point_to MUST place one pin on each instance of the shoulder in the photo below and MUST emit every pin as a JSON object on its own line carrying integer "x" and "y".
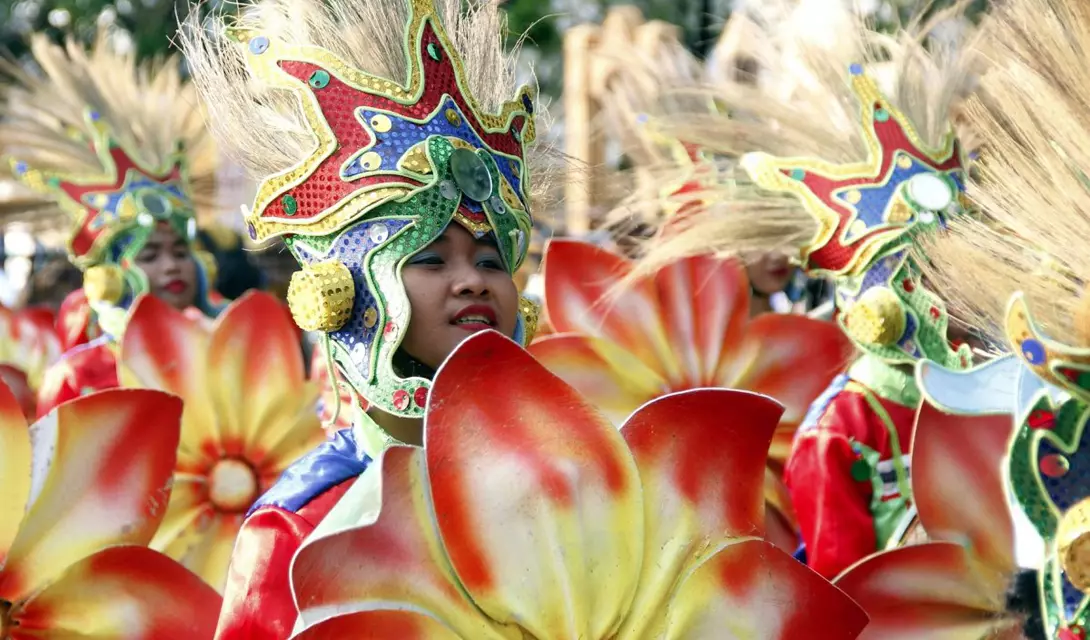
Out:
{"x": 828, "y": 398}
{"x": 330, "y": 464}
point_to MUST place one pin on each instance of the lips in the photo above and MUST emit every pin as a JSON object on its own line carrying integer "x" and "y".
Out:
{"x": 175, "y": 286}
{"x": 475, "y": 317}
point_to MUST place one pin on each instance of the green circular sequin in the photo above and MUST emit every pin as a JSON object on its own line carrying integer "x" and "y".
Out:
{"x": 471, "y": 174}
{"x": 290, "y": 205}
{"x": 433, "y": 52}
{"x": 861, "y": 471}
{"x": 881, "y": 115}
{"x": 319, "y": 79}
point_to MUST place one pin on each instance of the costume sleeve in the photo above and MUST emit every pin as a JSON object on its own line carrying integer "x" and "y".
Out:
{"x": 832, "y": 507}
{"x": 257, "y": 599}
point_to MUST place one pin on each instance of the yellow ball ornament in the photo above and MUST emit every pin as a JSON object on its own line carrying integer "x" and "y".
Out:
{"x": 877, "y": 318}
{"x": 321, "y": 295}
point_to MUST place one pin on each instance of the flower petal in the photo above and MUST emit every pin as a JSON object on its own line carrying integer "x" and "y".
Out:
{"x": 15, "y": 465}
{"x": 750, "y": 589}
{"x": 257, "y": 380}
{"x": 123, "y": 592}
{"x": 102, "y": 471}
{"x": 705, "y": 308}
{"x": 163, "y": 349}
{"x": 701, "y": 457}
{"x": 536, "y": 496}
{"x": 957, "y": 456}
{"x": 395, "y": 563}
{"x": 187, "y": 515}
{"x": 379, "y": 625}
{"x": 934, "y": 590}
{"x": 209, "y": 554}
{"x": 791, "y": 358}
{"x": 605, "y": 374}
{"x": 580, "y": 297}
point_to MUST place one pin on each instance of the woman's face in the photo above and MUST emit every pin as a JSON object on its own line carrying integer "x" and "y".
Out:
{"x": 168, "y": 263}
{"x": 769, "y": 273}
{"x": 457, "y": 286}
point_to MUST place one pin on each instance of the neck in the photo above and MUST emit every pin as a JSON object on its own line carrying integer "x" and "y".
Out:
{"x": 759, "y": 303}
{"x": 893, "y": 382}
{"x": 405, "y": 430}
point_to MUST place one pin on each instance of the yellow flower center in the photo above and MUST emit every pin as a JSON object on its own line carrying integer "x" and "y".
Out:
{"x": 232, "y": 485}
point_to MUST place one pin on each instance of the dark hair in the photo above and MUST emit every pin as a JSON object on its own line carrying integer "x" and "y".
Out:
{"x": 1023, "y": 598}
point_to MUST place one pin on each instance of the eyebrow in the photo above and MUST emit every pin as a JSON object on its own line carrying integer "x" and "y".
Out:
{"x": 488, "y": 240}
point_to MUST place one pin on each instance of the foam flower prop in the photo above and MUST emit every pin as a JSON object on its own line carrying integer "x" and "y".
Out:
{"x": 528, "y": 514}
{"x": 684, "y": 327}
{"x": 28, "y": 346}
{"x": 953, "y": 588}
{"x": 81, "y": 494}
{"x": 249, "y": 413}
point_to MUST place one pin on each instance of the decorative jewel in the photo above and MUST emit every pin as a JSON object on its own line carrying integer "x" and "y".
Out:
{"x": 289, "y": 204}
{"x": 420, "y": 397}
{"x": 908, "y": 285}
{"x": 861, "y": 471}
{"x": 470, "y": 174}
{"x": 155, "y": 204}
{"x": 453, "y": 118}
{"x": 528, "y": 104}
{"x": 259, "y": 45}
{"x": 930, "y": 192}
{"x": 401, "y": 399}
{"x": 881, "y": 115}
{"x": 448, "y": 190}
{"x": 370, "y": 317}
{"x": 1041, "y": 419}
{"x": 927, "y": 217}
{"x": 1055, "y": 465}
{"x": 1073, "y": 545}
{"x": 251, "y": 231}
{"x": 320, "y": 296}
{"x": 497, "y": 205}
{"x": 359, "y": 353}
{"x": 370, "y": 161}
{"x": 319, "y": 79}
{"x": 389, "y": 330}
{"x": 853, "y": 196}
{"x": 1033, "y": 351}
{"x": 1074, "y": 632}
{"x": 433, "y": 52}
{"x": 935, "y": 313}
{"x": 378, "y": 233}
{"x": 381, "y": 123}
{"x": 904, "y": 162}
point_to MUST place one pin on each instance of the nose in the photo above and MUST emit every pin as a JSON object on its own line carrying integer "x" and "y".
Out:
{"x": 469, "y": 281}
{"x": 172, "y": 264}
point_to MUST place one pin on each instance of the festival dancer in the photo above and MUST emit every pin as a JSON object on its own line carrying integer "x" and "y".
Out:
{"x": 850, "y": 193}
{"x": 370, "y": 142}
{"x": 1020, "y": 270}
{"x": 122, "y": 149}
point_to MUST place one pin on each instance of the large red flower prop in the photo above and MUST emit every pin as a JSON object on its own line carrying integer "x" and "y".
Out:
{"x": 528, "y": 514}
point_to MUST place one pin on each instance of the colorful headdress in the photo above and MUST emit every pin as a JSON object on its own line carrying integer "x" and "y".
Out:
{"x": 1021, "y": 272}
{"x": 851, "y": 188}
{"x": 385, "y": 161}
{"x": 119, "y": 147}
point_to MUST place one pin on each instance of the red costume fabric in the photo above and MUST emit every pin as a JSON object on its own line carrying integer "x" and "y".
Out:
{"x": 833, "y": 505}
{"x": 85, "y": 369}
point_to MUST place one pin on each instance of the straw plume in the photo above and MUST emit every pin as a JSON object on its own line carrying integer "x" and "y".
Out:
{"x": 148, "y": 107}
{"x": 1032, "y": 183}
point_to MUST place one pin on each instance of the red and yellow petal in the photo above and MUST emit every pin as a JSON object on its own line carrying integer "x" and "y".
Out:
{"x": 257, "y": 379}
{"x": 933, "y": 590}
{"x": 397, "y": 562}
{"x": 211, "y": 541}
{"x": 581, "y": 296}
{"x": 379, "y": 625}
{"x": 163, "y": 349}
{"x": 612, "y": 379}
{"x": 536, "y": 496}
{"x": 15, "y": 466}
{"x": 103, "y": 466}
{"x": 958, "y": 456}
{"x": 705, "y": 310}
{"x": 122, "y": 592}
{"x": 752, "y": 590}
{"x": 791, "y": 358}
{"x": 701, "y": 459}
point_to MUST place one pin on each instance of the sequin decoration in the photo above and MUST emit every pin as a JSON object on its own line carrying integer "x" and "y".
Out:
{"x": 1055, "y": 466}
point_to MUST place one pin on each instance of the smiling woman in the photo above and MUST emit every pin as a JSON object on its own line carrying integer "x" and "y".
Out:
{"x": 397, "y": 168}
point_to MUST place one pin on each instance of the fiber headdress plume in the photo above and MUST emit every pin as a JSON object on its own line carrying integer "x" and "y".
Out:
{"x": 1023, "y": 270}
{"x": 370, "y": 139}
{"x": 835, "y": 171}
{"x": 119, "y": 146}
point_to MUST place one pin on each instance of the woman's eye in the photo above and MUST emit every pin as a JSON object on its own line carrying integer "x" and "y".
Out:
{"x": 426, "y": 259}
{"x": 492, "y": 262}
